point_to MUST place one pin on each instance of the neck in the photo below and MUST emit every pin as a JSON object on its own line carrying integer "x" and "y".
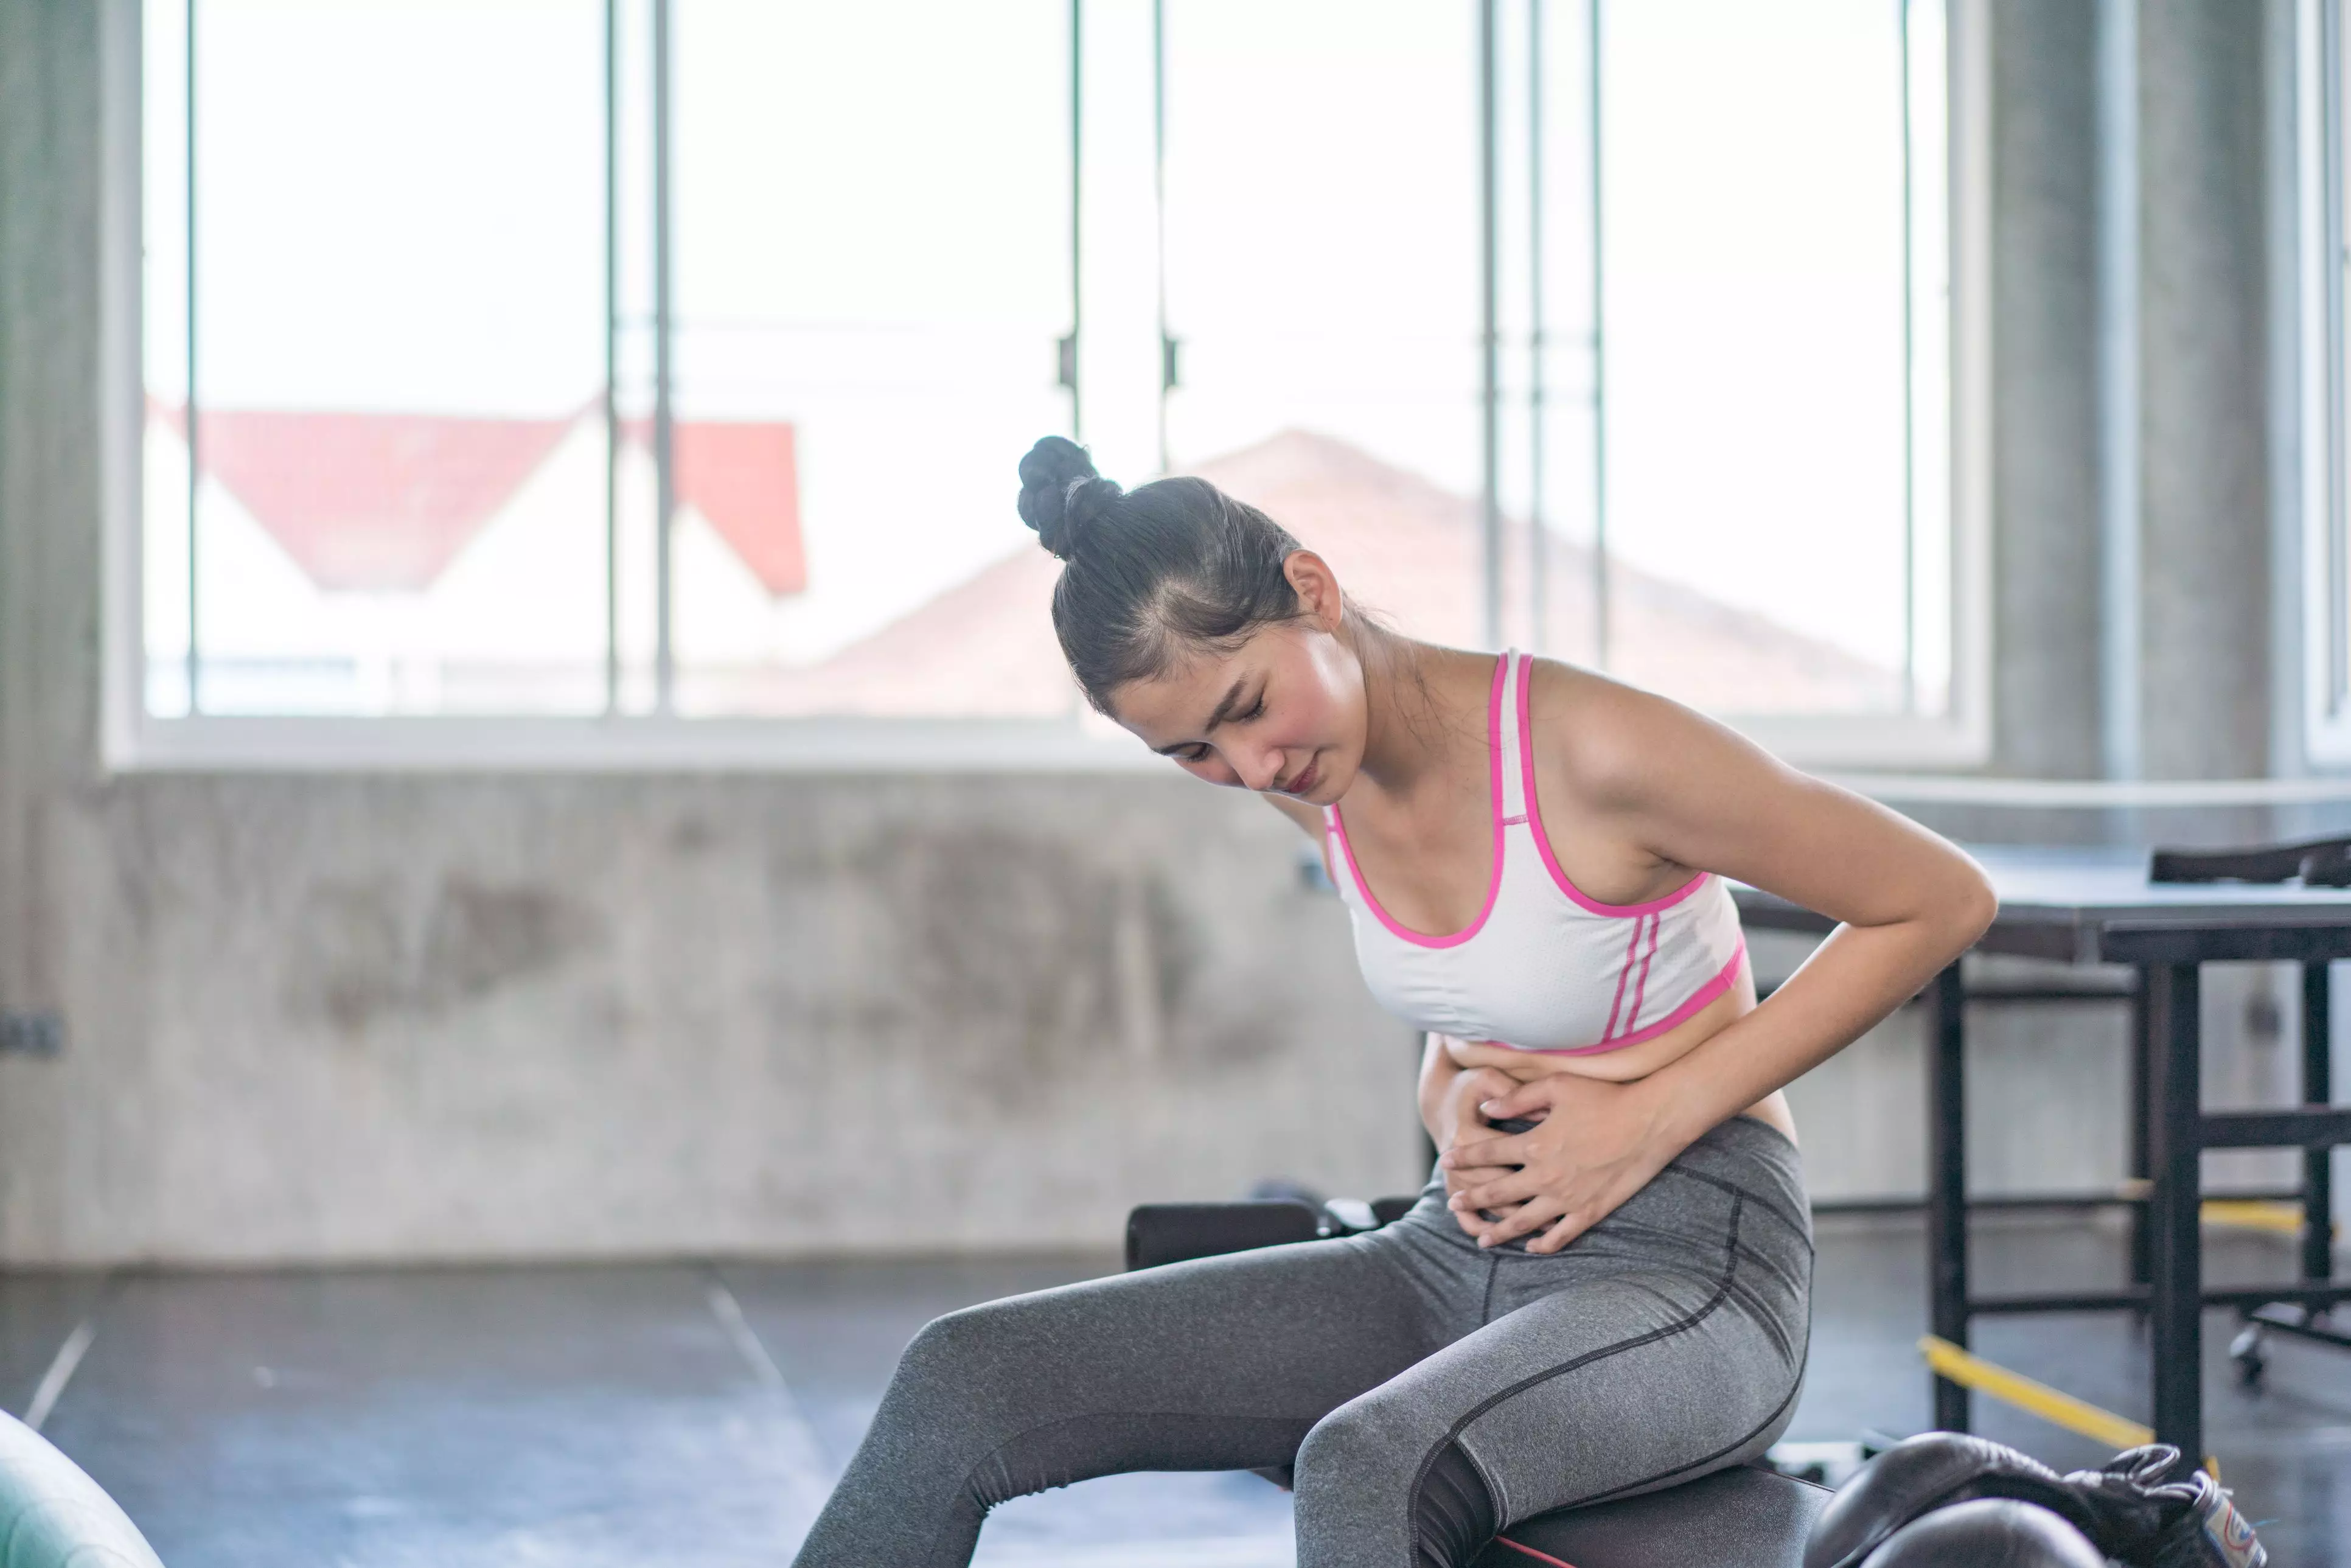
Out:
{"x": 1407, "y": 737}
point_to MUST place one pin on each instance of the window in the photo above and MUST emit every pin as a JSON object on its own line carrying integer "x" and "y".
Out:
{"x": 2320, "y": 169}
{"x": 576, "y": 379}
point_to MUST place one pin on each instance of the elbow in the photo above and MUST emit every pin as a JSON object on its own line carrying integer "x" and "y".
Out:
{"x": 1971, "y": 906}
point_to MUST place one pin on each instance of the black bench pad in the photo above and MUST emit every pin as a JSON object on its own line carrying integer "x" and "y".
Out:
{"x": 1742, "y": 1518}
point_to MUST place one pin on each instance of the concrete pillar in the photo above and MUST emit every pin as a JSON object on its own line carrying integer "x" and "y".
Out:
{"x": 2046, "y": 548}
{"x": 2205, "y": 675}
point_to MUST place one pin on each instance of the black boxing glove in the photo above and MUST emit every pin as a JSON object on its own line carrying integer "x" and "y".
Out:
{"x": 1990, "y": 1533}
{"x": 2126, "y": 1510}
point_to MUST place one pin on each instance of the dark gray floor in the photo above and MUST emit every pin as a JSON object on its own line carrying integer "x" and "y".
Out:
{"x": 690, "y": 1414}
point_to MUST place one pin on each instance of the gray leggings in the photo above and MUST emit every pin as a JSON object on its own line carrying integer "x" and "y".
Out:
{"x": 1428, "y": 1393}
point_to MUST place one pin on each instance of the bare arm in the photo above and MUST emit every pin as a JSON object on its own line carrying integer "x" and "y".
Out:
{"x": 1691, "y": 793}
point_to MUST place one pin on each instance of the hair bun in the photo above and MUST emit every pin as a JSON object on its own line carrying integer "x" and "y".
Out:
{"x": 1061, "y": 494}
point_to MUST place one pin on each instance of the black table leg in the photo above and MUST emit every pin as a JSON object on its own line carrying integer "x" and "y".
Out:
{"x": 2177, "y": 1290}
{"x": 1947, "y": 1185}
{"x": 2317, "y": 1088}
{"x": 2142, "y": 1247}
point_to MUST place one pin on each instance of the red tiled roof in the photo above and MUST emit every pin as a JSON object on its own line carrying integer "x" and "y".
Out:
{"x": 373, "y": 502}
{"x": 1404, "y": 547}
{"x": 382, "y": 502}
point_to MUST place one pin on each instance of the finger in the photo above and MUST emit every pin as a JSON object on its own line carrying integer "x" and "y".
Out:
{"x": 1510, "y": 1149}
{"x": 1528, "y": 1217}
{"x": 1520, "y": 1098}
{"x": 1565, "y": 1230}
{"x": 1498, "y": 1188}
{"x": 1474, "y": 1223}
{"x": 1474, "y": 1175}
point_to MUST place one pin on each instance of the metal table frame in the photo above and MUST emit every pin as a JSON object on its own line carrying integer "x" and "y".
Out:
{"x": 2096, "y": 906}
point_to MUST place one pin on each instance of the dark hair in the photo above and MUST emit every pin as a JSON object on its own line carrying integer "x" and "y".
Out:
{"x": 1151, "y": 573}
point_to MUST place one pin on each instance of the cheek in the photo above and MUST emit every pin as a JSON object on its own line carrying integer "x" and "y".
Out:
{"x": 1212, "y": 769}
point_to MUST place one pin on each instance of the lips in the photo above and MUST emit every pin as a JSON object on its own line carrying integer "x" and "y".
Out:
{"x": 1303, "y": 782}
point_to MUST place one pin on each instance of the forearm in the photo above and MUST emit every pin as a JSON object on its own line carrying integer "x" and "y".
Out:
{"x": 1437, "y": 1072}
{"x": 1857, "y": 976}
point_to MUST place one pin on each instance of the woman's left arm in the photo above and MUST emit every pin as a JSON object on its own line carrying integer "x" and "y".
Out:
{"x": 1696, "y": 794}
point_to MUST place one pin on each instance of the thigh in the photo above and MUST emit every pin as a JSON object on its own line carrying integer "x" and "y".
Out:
{"x": 1217, "y": 1363}
{"x": 1666, "y": 1343}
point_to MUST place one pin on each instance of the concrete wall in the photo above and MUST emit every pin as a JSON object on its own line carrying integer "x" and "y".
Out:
{"x": 317, "y": 1018}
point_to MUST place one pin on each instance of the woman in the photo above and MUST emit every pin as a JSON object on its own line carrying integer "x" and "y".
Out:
{"x": 1604, "y": 1288}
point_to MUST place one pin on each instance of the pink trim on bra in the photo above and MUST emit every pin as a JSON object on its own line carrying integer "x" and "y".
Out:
{"x": 1680, "y": 1014}
{"x": 1494, "y": 887}
{"x": 1641, "y": 986}
{"x": 1542, "y": 839}
{"x": 1623, "y": 971}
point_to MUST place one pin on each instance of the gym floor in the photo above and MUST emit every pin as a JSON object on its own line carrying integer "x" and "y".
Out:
{"x": 695, "y": 1414}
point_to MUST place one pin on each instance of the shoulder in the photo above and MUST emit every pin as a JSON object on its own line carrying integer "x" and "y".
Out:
{"x": 1610, "y": 743}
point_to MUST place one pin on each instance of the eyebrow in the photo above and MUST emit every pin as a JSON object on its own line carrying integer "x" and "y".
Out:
{"x": 1224, "y": 711}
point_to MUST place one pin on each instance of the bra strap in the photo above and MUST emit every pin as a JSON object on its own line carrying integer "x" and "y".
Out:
{"x": 1505, "y": 736}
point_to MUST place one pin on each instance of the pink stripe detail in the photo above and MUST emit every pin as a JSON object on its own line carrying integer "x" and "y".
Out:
{"x": 1641, "y": 989}
{"x": 1623, "y": 970}
{"x": 1543, "y": 838}
{"x": 1538, "y": 1556}
{"x": 1493, "y": 888}
{"x": 1679, "y": 1015}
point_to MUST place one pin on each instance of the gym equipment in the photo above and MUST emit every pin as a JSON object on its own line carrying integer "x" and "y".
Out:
{"x": 2127, "y": 1510}
{"x": 1990, "y": 1532}
{"x": 52, "y": 1515}
{"x": 1746, "y": 1517}
{"x": 2077, "y": 906}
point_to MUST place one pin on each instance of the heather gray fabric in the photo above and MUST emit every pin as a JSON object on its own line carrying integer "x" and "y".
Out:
{"x": 1665, "y": 1342}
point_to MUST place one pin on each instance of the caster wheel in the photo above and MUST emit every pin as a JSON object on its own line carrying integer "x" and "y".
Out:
{"x": 2245, "y": 1355}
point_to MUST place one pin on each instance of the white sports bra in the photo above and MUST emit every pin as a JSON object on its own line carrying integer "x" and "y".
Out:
{"x": 1543, "y": 966}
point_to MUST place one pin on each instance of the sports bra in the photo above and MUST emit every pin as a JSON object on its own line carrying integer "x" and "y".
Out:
{"x": 1544, "y": 967}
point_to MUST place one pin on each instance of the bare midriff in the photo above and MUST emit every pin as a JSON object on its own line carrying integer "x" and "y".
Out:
{"x": 1632, "y": 1061}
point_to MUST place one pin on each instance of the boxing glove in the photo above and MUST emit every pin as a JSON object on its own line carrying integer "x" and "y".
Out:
{"x": 2126, "y": 1510}
{"x": 1990, "y": 1533}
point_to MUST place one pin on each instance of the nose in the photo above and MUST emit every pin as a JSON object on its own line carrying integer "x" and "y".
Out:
{"x": 1263, "y": 770}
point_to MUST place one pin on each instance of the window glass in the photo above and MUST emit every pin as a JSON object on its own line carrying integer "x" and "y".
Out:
{"x": 397, "y": 356}
{"x": 1776, "y": 509}
{"x": 872, "y": 221}
{"x": 1323, "y": 245}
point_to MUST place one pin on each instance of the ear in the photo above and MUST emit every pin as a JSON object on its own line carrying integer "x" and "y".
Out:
{"x": 1317, "y": 587}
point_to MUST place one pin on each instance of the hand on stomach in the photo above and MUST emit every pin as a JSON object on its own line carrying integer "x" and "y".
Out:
{"x": 1630, "y": 1062}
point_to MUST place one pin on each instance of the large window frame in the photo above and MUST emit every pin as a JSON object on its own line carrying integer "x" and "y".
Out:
{"x": 133, "y": 739}
{"x": 2318, "y": 541}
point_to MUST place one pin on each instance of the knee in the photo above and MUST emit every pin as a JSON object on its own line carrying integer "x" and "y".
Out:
{"x": 1369, "y": 1453}
{"x": 957, "y": 1344}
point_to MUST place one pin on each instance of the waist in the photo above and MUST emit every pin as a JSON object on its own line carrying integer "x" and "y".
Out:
{"x": 1616, "y": 1064}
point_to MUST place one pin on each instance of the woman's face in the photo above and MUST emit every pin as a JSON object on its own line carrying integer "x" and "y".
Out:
{"x": 1281, "y": 714}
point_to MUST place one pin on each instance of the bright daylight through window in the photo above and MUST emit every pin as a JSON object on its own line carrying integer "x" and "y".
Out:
{"x": 554, "y": 357}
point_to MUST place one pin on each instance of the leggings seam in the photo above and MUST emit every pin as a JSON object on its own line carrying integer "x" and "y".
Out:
{"x": 1722, "y": 1293}
{"x": 1794, "y": 1384}
{"x": 1765, "y": 1203}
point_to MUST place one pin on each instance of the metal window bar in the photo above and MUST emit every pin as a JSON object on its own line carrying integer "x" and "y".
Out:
{"x": 2333, "y": 217}
{"x": 1066, "y": 366}
{"x": 1538, "y": 539}
{"x": 1159, "y": 214}
{"x": 1489, "y": 384}
{"x": 664, "y": 330}
{"x": 196, "y": 460}
{"x": 1909, "y": 381}
{"x": 1600, "y": 639}
{"x": 611, "y": 357}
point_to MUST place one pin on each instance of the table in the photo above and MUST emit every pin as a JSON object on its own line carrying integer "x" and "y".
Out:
{"x": 2096, "y": 905}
